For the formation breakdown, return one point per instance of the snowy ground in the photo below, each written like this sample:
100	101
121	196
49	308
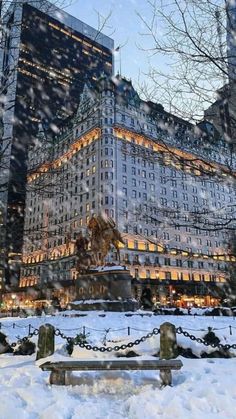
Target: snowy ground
203	388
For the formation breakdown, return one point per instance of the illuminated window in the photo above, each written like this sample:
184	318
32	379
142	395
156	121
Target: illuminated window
168	275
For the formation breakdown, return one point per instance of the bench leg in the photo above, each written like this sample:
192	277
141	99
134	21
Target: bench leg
58	377
166	377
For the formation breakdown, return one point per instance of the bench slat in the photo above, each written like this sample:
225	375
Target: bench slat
127	364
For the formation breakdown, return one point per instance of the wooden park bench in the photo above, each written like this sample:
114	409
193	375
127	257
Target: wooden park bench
59	369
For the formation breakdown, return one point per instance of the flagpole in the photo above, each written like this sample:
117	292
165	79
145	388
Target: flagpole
118	49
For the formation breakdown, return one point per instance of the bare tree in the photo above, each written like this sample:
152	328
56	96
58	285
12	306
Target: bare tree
192	36
196	39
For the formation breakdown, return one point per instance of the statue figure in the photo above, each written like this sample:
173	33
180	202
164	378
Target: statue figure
81	243
93	250
146	298
104	234
83	256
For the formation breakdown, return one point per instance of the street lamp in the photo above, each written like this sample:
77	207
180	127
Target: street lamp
13	297
172	293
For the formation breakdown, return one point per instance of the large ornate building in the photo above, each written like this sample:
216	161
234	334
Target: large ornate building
165	182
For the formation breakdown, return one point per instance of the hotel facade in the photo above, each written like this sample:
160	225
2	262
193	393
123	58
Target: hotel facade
161	179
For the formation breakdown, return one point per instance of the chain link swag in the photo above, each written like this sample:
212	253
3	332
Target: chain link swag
129	345
24	339
180	331
116	348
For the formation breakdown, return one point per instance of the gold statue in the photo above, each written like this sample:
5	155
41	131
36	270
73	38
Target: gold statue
93	250
104	234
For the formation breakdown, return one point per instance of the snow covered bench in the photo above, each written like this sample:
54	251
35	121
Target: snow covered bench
58	369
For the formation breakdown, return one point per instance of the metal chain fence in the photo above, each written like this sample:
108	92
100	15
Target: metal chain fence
116	348
154	332
25	338
180	331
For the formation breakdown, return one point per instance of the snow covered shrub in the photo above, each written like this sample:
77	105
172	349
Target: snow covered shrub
4	345
25	348
80	338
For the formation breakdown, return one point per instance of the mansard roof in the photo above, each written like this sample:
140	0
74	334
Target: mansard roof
120	86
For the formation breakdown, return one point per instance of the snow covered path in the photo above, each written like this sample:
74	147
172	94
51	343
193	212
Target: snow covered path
202	389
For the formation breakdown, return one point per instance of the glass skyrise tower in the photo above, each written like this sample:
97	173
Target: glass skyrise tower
47	57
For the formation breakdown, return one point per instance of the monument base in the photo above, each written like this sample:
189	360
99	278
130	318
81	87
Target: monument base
108	289
89	305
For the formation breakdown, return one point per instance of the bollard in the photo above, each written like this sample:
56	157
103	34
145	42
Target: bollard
46	343
230	330
168	344
168	349
29	329
84	331
128	331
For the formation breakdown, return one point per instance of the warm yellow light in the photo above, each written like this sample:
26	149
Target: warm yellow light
130	244
86	139
174	275
121	245
141	246
151	247
195	166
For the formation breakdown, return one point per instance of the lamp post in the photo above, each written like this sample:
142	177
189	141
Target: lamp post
13	297
172	293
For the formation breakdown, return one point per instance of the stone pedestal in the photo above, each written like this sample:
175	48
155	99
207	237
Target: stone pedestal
168	343
46	343
108	290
